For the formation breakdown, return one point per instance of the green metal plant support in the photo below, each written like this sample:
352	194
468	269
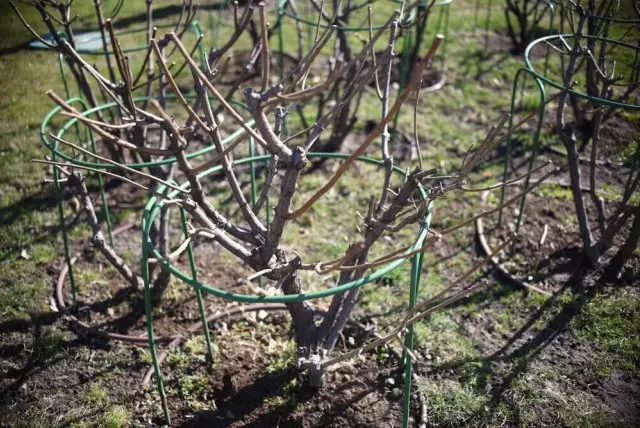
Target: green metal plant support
152	210
58	154
541	80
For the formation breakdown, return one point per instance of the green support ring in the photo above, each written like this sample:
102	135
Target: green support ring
154	205
541	80
151	211
561	87
54	146
57	154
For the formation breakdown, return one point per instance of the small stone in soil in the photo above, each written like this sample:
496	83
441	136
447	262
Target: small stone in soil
396	393
391	381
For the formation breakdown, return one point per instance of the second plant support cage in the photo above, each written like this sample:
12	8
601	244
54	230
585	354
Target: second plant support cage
541	82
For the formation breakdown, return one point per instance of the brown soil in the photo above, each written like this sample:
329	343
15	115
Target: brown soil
356	394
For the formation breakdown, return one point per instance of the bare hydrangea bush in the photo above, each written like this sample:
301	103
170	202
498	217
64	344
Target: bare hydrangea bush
399	203
606	73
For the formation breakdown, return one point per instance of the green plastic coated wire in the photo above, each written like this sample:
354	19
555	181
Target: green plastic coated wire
54	146
541	79
151	211
560	86
153	208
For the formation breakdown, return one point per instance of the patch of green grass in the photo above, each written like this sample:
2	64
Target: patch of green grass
193	390
43	253
532	399
177	359
450	403
97	396
280	355
540	400
129	256
438	335
118	216
194	350
612	323
554	191
87	276
611	193
177	291
115	417
23	289
379	298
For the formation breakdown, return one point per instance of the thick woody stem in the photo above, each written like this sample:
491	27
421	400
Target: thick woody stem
272	143
196	190
247	212
295	165
371	236
216	230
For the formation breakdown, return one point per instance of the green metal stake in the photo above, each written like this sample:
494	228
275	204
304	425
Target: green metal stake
534	155
197	30
63	224
507	155
416	263
194	275
475	16
416	270
103	196
487	23
147	308
536	138
63	228
252	173
404	71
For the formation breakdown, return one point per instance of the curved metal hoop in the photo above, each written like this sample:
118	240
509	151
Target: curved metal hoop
560	86
152	210
541	80
54	146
